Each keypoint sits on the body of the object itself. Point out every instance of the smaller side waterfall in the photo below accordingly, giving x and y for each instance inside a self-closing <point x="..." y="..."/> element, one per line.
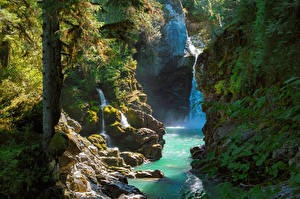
<point x="124" y="121"/>
<point x="102" y="105"/>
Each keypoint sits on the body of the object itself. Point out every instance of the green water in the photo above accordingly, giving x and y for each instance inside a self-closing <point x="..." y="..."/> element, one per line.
<point x="175" y="164"/>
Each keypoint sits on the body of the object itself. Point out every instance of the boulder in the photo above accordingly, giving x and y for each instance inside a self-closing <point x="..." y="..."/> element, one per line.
<point x="116" y="189"/>
<point x="139" y="119"/>
<point x="73" y="123"/>
<point x="113" y="161"/>
<point x="98" y="141"/>
<point x="149" y="174"/>
<point x="111" y="115"/>
<point x="133" y="159"/>
<point x="152" y="152"/>
<point x="145" y="135"/>
<point x="77" y="182"/>
<point x="113" y="152"/>
<point x="115" y="130"/>
<point x="123" y="170"/>
<point x="198" y="152"/>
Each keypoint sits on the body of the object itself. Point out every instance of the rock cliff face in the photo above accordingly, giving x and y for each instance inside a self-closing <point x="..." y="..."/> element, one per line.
<point x="163" y="69"/>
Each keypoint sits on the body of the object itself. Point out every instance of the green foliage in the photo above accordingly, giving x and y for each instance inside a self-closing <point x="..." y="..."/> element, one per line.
<point x="255" y="71"/>
<point x="24" y="170"/>
<point x="21" y="78"/>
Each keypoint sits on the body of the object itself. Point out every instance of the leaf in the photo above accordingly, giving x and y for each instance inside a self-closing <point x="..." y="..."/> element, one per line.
<point x="261" y="160"/>
<point x="290" y="80"/>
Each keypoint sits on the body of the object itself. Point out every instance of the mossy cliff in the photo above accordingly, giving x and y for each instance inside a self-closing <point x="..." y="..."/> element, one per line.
<point x="249" y="76"/>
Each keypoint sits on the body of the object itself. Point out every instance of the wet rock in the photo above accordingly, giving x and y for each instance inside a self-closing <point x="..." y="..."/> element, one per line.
<point x="149" y="174"/>
<point x="116" y="189"/>
<point x="124" y="170"/>
<point x="198" y="152"/>
<point x="132" y="159"/>
<point x="68" y="123"/>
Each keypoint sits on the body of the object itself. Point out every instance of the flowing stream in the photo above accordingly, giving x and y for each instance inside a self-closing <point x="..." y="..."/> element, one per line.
<point x="175" y="163"/>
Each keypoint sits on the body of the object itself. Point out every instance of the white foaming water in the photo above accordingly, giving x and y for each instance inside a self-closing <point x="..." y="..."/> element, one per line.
<point x="124" y="121"/>
<point x="193" y="183"/>
<point x="102" y="105"/>
<point x="175" y="127"/>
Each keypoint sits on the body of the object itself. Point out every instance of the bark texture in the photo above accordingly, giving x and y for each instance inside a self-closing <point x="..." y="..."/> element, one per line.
<point x="52" y="72"/>
<point x="4" y="51"/>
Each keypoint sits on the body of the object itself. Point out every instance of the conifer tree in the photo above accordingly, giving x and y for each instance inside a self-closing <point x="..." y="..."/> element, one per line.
<point x="52" y="71"/>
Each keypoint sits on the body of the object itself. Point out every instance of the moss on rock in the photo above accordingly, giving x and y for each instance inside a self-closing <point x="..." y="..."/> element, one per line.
<point x="115" y="130"/>
<point x="134" y="119"/>
<point x="98" y="141"/>
<point x="111" y="115"/>
<point x="58" y="144"/>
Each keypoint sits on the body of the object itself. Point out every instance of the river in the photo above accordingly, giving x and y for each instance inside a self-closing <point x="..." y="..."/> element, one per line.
<point x="175" y="164"/>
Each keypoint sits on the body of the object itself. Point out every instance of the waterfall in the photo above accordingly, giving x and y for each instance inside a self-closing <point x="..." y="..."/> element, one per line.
<point x="196" y="116"/>
<point x="124" y="121"/>
<point x="104" y="103"/>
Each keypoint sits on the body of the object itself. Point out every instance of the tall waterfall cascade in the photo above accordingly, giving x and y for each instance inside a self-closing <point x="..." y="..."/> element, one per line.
<point x="186" y="47"/>
<point x="196" y="116"/>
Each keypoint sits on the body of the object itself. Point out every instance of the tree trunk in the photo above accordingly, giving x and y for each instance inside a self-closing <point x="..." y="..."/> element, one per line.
<point x="4" y="51"/>
<point x="52" y="72"/>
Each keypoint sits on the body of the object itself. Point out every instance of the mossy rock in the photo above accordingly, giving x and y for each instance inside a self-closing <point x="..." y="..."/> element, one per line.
<point x="115" y="130"/>
<point x="111" y="115"/>
<point x="58" y="144"/>
<point x="134" y="119"/>
<point x="123" y="170"/>
<point x="130" y="130"/>
<point x="98" y="141"/>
